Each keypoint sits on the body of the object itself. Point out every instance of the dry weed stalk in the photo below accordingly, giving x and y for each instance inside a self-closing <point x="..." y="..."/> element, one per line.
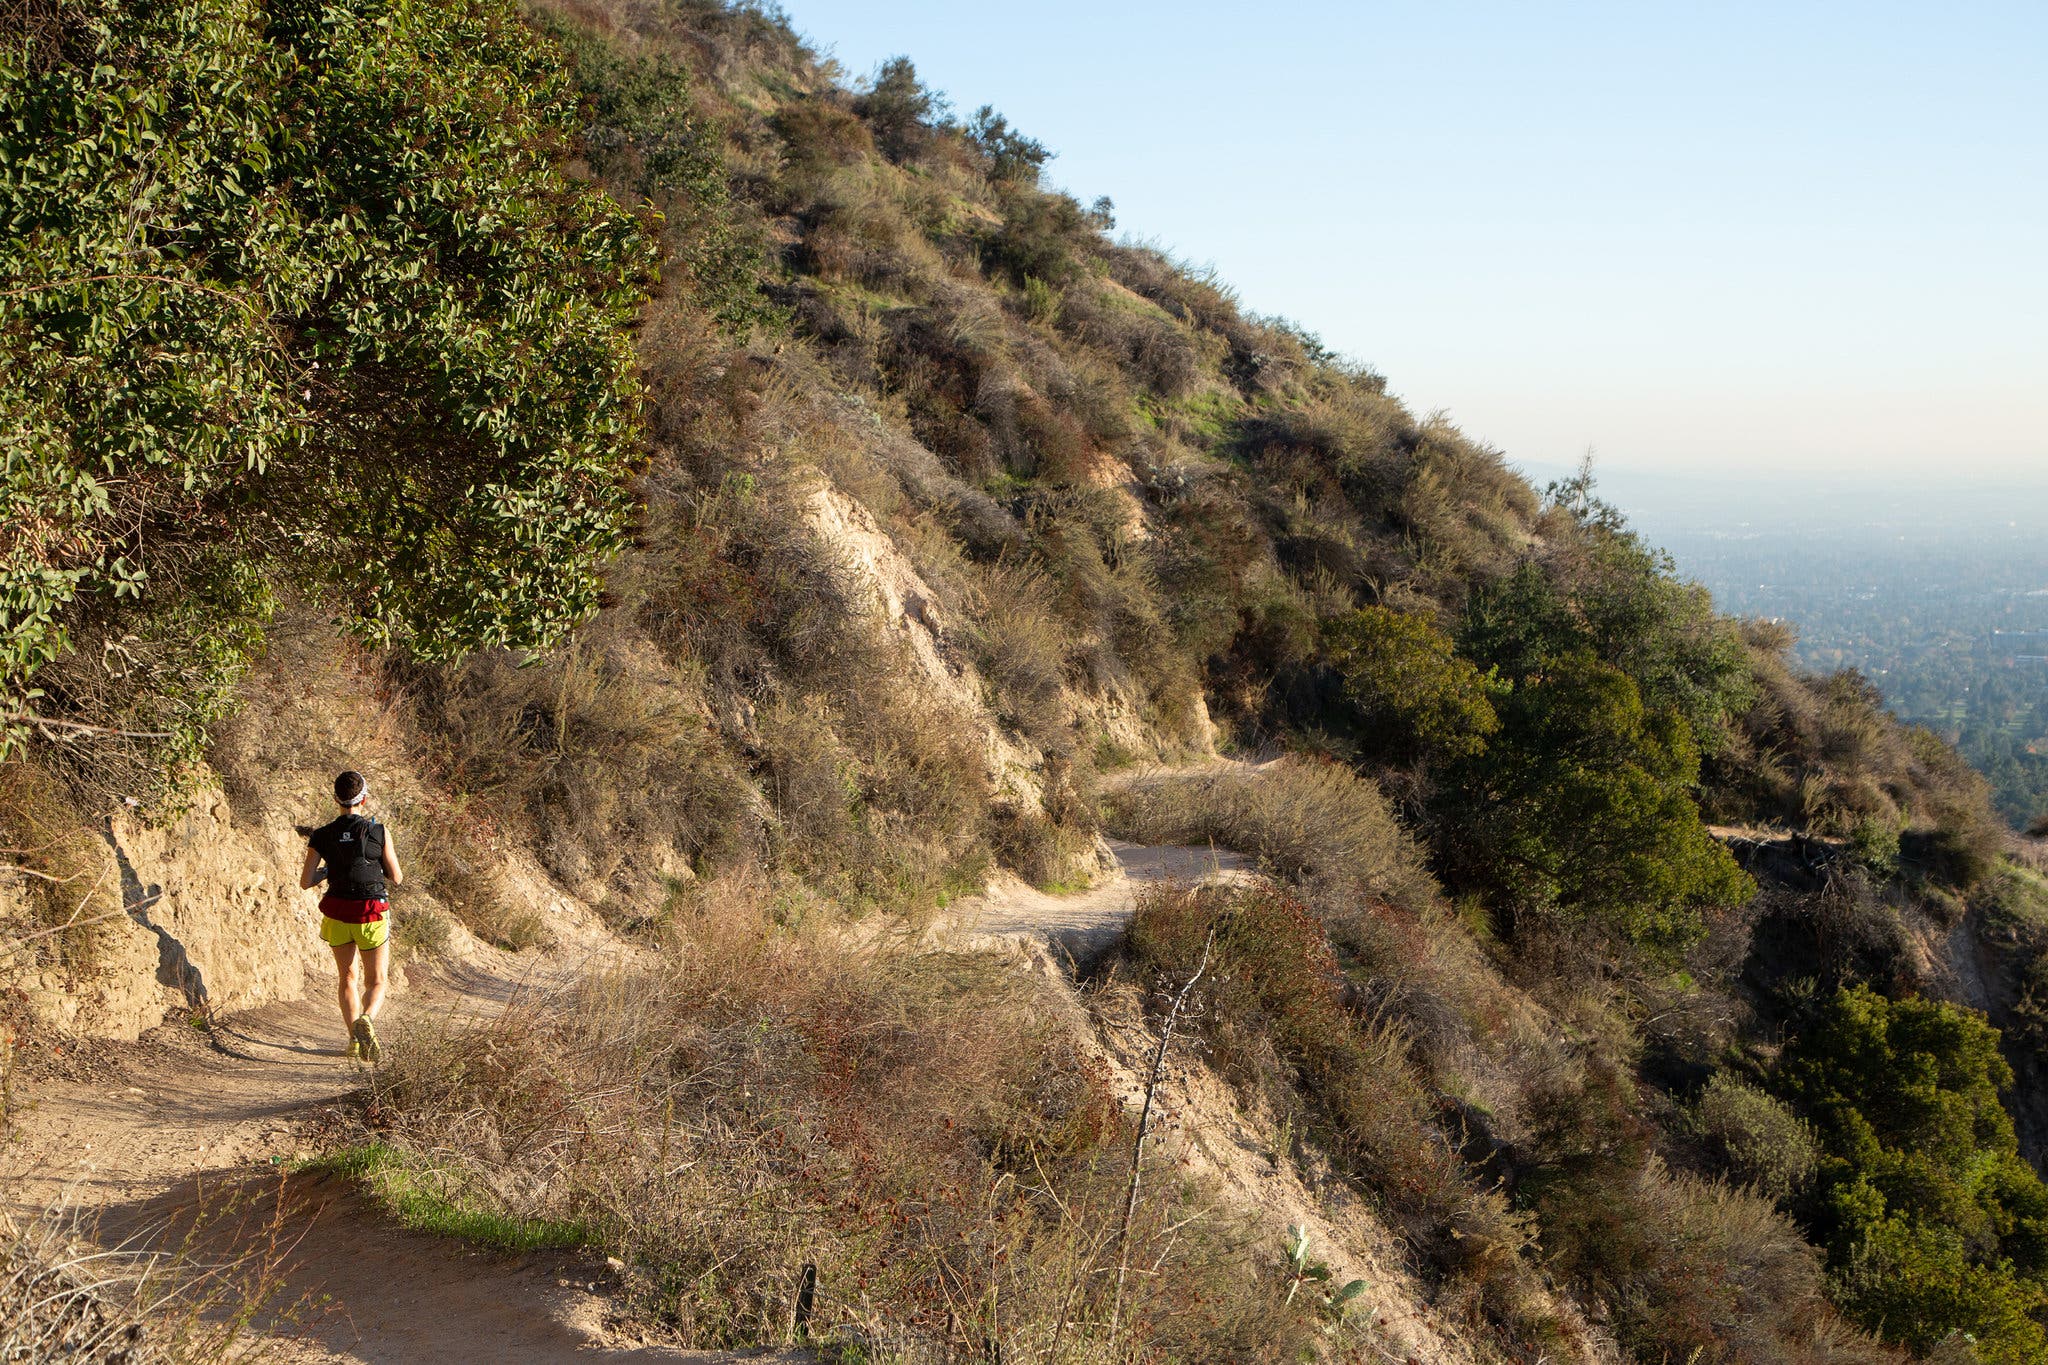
<point x="158" y="1297"/>
<point x="1153" y="1079"/>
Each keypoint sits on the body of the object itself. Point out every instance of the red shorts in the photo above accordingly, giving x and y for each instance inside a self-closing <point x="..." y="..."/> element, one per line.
<point x="353" y="911"/>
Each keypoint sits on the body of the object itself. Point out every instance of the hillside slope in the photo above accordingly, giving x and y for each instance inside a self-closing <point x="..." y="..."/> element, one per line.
<point x="790" y="514"/>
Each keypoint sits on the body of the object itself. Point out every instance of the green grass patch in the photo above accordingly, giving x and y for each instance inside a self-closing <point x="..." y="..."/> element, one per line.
<point x="413" y="1196"/>
<point x="2016" y="896"/>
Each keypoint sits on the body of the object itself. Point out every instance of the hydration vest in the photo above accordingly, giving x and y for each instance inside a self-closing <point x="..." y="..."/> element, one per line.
<point x="353" y="846"/>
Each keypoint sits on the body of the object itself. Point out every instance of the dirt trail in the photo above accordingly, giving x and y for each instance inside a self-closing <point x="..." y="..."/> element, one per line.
<point x="186" y="1121"/>
<point x="1086" y="922"/>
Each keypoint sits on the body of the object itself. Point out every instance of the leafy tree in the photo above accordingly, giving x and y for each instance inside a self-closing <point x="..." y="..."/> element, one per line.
<point x="301" y="283"/>
<point x="1932" y="1221"/>
<point x="1582" y="804"/>
<point x="1011" y="155"/>
<point x="1586" y="801"/>
<point x="1623" y="602"/>
<point x="1412" y="694"/>
<point x="900" y="109"/>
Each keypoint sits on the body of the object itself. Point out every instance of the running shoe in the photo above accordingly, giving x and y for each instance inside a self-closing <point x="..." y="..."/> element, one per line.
<point x="366" y="1040"/>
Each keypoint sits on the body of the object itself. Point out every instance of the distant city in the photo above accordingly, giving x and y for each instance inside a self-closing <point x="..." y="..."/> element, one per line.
<point x="1938" y="595"/>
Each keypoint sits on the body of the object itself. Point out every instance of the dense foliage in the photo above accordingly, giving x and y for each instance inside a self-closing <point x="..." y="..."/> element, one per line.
<point x="300" y="287"/>
<point x="1587" y="799"/>
<point x="1413" y="695"/>
<point x="1930" y="1217"/>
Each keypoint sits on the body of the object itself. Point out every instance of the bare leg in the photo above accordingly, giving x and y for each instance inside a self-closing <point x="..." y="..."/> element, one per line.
<point x="374" y="960"/>
<point x="345" y="966"/>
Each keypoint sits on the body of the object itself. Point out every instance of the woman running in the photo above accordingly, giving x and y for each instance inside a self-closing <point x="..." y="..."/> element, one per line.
<point x="355" y="917"/>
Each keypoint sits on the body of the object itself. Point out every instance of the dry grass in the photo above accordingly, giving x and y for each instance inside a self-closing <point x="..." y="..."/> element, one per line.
<point x="921" y="1127"/>
<point x="422" y="932"/>
<point x="1305" y="820"/>
<point x="1277" y="1023"/>
<point x="161" y="1300"/>
<point x="1696" y="1270"/>
<point x="595" y="751"/>
<point x="1541" y="1169"/>
<point x="1821" y="753"/>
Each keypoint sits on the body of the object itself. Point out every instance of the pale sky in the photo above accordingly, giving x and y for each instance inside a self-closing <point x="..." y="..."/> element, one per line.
<point x="1779" y="238"/>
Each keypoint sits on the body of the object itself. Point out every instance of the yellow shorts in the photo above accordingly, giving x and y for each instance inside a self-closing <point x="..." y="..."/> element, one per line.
<point x="336" y="933"/>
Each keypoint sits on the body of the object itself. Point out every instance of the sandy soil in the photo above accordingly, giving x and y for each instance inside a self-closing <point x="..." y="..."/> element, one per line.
<point x="1086" y="923"/>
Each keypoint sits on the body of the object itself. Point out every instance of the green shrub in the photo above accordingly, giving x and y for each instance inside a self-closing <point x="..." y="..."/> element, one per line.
<point x="644" y="135"/>
<point x="1583" y="805"/>
<point x="1413" y="696"/>
<point x="1037" y="238"/>
<point x="1756" y="1136"/>
<point x="1931" y="1220"/>
<point x="1874" y="845"/>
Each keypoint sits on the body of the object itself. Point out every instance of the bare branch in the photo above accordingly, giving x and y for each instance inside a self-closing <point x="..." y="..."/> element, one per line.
<point x="1152" y="1083"/>
<point x="65" y="731"/>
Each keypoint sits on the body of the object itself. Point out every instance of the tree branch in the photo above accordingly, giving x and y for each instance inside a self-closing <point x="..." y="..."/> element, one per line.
<point x="64" y="731"/>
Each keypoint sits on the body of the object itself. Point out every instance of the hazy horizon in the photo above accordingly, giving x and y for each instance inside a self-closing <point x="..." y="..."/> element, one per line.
<point x="1753" y="237"/>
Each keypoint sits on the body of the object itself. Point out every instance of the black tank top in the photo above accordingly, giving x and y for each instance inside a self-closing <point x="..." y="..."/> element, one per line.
<point x="353" y="846"/>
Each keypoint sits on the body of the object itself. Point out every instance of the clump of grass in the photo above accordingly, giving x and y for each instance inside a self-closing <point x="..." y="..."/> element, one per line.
<point x="1303" y="819"/>
<point x="921" y="1127"/>
<point x="1692" y="1269"/>
<point x="422" y="932"/>
<point x="1756" y="1136"/>
<point x="162" y="1301"/>
<point x="1055" y="856"/>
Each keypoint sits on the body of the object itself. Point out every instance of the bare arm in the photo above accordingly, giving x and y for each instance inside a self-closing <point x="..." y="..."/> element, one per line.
<point x="307" y="879"/>
<point x="393" y="873"/>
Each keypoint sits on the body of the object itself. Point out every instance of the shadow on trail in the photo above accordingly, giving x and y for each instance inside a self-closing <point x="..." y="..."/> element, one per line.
<point x="307" y="1259"/>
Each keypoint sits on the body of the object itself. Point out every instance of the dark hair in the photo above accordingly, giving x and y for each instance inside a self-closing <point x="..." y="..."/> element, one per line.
<point x="348" y="787"/>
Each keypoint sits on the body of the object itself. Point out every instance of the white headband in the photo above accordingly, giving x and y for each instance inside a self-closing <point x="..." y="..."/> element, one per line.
<point x="361" y="797"/>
